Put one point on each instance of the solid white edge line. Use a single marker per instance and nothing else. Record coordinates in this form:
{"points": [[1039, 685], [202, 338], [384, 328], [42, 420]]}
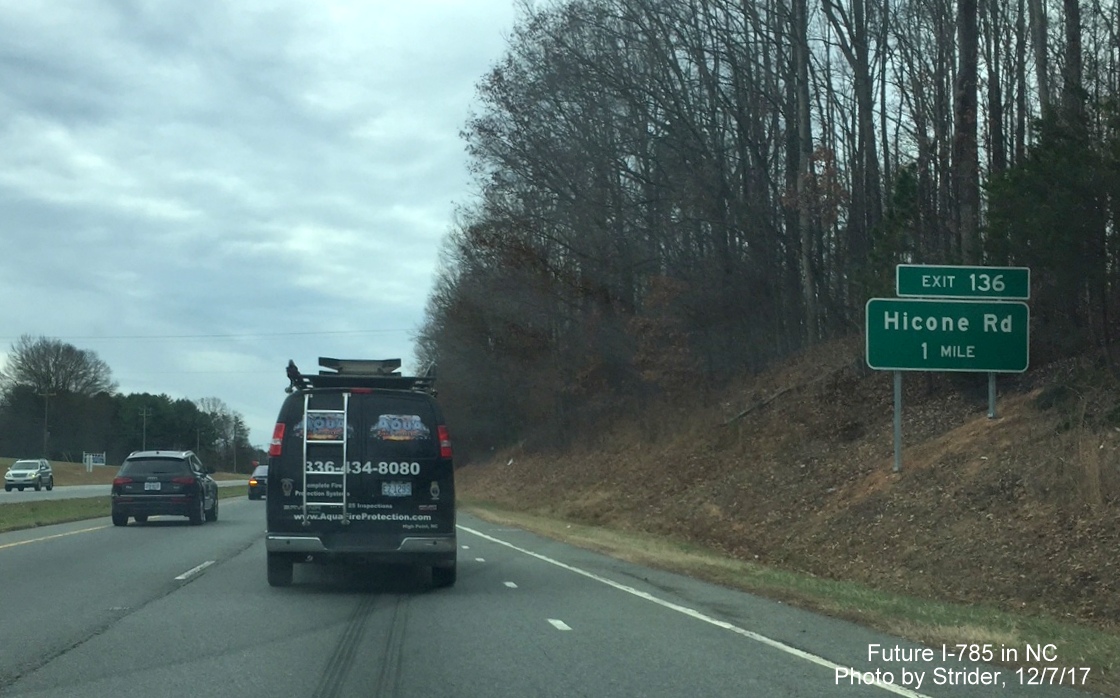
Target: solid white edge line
{"points": [[776, 644], [559, 624], [56, 535], [195, 570]]}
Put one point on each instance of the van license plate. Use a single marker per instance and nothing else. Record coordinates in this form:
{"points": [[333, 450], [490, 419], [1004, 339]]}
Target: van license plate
{"points": [[396, 489], [151, 485]]}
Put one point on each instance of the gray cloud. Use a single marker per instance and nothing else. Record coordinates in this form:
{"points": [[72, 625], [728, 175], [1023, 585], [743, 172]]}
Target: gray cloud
{"points": [[200, 191]]}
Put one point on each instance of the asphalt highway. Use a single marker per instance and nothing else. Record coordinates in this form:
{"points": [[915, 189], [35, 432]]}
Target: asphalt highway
{"points": [[167, 609]]}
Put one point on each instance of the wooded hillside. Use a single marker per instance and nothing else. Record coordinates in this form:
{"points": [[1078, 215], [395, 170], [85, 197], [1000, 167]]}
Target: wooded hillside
{"points": [[672, 193]]}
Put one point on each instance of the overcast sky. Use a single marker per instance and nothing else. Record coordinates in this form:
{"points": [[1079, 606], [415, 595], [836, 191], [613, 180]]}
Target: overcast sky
{"points": [[199, 191]]}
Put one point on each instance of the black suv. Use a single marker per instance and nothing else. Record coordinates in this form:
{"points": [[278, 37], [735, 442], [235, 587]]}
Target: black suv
{"points": [[151, 483], [360, 470]]}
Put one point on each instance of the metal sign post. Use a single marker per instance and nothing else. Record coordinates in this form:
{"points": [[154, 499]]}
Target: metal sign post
{"points": [[897, 421], [991, 396]]}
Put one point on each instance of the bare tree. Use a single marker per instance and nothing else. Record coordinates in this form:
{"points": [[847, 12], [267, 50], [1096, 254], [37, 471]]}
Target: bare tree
{"points": [[1073, 92], [1020, 83], [992, 19], [854, 36], [805, 175], [51, 366], [1039, 37], [965, 155], [221, 419]]}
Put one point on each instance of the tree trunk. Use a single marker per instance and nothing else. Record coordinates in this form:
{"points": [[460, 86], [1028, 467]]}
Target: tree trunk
{"points": [[997, 146], [1020, 84], [1041, 57], [1073, 93], [964, 136], [805, 167]]}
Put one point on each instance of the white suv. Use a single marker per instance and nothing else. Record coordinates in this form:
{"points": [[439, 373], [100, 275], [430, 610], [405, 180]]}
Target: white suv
{"points": [[35, 473]]}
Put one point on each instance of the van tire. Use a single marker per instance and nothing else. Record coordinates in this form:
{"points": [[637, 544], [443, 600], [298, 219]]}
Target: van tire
{"points": [[279, 570], [444, 576]]}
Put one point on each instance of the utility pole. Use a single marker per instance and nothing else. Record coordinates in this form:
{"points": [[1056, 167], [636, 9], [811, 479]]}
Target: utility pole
{"points": [[233, 443], [46, 395], [145, 413]]}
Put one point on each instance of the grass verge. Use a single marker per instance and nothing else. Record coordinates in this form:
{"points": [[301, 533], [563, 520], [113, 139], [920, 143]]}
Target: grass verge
{"points": [[54, 511], [929, 622]]}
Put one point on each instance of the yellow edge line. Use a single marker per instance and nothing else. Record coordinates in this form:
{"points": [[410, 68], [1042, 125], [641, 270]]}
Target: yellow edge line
{"points": [[57, 535]]}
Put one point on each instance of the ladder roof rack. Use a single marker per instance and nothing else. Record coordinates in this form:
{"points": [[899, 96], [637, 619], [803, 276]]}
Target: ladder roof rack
{"points": [[358, 373]]}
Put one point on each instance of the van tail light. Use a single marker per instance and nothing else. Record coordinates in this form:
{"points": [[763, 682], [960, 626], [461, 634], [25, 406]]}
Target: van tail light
{"points": [[184, 480], [119, 481], [277, 444], [444, 441]]}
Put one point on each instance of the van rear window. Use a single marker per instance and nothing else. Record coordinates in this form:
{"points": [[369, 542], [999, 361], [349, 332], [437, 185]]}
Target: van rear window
{"points": [[400, 427], [324, 426]]}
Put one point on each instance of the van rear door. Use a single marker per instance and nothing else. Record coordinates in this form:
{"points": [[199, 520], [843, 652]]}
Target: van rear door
{"points": [[398, 481], [402, 472]]}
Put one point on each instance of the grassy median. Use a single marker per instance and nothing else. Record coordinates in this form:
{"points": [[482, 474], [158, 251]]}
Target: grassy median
{"points": [[54, 511]]}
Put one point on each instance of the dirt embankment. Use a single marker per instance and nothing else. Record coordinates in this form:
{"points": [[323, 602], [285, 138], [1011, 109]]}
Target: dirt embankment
{"points": [[793, 468]]}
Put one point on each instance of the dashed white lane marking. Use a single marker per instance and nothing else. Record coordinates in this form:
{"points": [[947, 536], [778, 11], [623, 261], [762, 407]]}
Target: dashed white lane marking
{"points": [[559, 624], [776, 644], [57, 535], [194, 570], [466, 547], [480, 559], [511, 585]]}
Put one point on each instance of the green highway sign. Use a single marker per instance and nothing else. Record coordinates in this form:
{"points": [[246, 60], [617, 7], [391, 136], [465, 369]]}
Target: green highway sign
{"points": [[909, 334], [929, 281]]}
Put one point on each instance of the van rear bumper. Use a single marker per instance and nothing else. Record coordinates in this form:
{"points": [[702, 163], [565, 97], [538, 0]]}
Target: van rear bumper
{"points": [[436, 546]]}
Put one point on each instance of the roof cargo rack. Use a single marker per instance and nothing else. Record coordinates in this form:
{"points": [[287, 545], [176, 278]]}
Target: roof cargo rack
{"points": [[359, 373], [359, 367]]}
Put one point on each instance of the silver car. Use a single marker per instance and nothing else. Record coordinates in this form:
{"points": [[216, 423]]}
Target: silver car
{"points": [[35, 473]]}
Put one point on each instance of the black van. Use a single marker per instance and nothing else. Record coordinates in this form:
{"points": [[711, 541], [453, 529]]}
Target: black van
{"points": [[360, 470]]}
